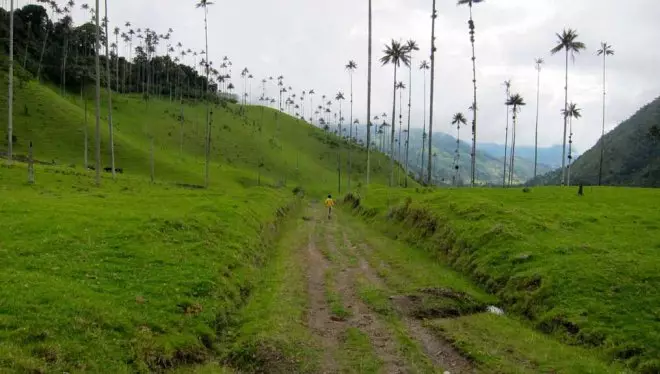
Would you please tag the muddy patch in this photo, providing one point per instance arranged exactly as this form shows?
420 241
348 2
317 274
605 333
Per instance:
437 303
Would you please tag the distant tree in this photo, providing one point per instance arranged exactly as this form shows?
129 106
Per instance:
458 121
369 54
569 43
350 67
507 88
424 66
655 132
394 54
434 16
97 49
539 63
474 82
205 5
605 50
109 91
572 112
412 46
515 101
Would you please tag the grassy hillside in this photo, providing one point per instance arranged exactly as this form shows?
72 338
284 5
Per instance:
289 150
631 158
574 266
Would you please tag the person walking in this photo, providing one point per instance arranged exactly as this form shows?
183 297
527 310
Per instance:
329 203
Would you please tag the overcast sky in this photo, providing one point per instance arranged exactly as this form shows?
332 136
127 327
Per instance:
310 42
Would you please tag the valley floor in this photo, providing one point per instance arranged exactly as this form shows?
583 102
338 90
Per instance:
341 298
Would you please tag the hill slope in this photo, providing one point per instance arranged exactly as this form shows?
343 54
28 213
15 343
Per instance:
631 157
263 141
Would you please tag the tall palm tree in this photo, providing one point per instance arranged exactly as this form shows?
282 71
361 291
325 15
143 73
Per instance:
434 16
339 97
412 46
569 43
351 66
458 120
97 63
507 87
369 95
605 50
10 94
205 4
515 101
474 83
107 67
395 54
401 87
572 112
424 66
539 62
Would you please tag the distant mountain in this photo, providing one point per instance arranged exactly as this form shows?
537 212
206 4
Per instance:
631 157
489 166
550 156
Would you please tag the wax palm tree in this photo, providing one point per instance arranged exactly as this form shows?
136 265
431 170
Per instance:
458 120
205 4
434 16
605 50
515 101
369 54
539 63
507 88
474 83
109 90
10 94
424 66
97 63
569 43
412 46
350 67
395 54
572 112
401 87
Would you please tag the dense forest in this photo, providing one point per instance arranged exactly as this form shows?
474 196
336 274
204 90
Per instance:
631 154
62 53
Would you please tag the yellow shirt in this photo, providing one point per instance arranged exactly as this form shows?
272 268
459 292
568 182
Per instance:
329 203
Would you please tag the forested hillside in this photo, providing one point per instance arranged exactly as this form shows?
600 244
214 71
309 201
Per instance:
631 154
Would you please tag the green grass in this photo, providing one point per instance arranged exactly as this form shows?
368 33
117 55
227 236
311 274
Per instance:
503 345
585 269
271 330
356 353
129 277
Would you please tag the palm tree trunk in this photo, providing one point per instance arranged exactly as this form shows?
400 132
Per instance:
369 99
563 151
506 141
64 58
86 160
97 64
430 164
109 83
208 107
393 130
10 94
474 104
570 152
513 146
408 133
602 136
421 173
43 51
398 153
27 43
350 136
117 87
536 131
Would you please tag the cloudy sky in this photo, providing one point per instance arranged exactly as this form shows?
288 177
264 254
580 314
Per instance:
310 42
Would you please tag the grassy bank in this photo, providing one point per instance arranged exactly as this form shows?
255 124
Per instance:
582 268
131 277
